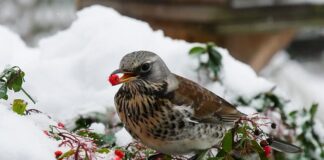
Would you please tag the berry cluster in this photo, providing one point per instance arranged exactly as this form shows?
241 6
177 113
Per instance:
80 147
247 131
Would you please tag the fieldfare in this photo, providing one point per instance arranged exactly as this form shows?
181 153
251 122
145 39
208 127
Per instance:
169 113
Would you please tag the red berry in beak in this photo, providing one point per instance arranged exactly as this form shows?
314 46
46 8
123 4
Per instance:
113 79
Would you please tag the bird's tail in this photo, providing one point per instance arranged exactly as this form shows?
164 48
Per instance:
282 146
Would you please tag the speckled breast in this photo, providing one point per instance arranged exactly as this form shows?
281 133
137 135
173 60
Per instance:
150 117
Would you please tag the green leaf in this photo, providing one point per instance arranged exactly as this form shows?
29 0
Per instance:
83 123
293 114
227 142
18 81
19 106
215 56
216 158
258 148
313 110
3 91
109 139
166 157
197 51
103 150
221 154
67 154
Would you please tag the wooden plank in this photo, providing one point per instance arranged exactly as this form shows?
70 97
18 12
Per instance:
252 35
257 49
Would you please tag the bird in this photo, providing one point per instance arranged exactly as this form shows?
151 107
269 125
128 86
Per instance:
169 113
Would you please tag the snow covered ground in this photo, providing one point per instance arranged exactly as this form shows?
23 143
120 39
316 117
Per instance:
67 74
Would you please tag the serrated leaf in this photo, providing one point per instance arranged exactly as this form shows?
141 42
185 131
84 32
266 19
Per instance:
19 106
259 150
197 51
227 142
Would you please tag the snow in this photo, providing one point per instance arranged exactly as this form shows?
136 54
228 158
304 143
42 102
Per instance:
67 75
98 128
302 87
21 137
240 79
123 138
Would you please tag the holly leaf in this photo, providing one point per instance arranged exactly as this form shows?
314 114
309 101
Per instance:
19 106
227 141
197 51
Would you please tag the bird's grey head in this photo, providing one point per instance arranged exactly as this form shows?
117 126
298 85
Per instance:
143 65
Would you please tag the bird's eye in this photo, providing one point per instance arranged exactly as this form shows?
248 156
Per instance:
145 67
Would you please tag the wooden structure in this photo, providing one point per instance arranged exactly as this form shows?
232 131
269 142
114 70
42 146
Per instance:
252 34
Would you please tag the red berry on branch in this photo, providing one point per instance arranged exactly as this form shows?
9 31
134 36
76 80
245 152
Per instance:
58 153
46 133
60 125
119 153
113 79
267 151
117 158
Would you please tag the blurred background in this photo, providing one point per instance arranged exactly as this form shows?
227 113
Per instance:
282 40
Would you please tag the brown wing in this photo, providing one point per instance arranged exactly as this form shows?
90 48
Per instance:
206 104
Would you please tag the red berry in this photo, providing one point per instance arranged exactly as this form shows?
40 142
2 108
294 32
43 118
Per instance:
60 125
58 153
113 79
267 151
117 158
119 153
46 133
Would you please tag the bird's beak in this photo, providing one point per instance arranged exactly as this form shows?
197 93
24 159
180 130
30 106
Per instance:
114 79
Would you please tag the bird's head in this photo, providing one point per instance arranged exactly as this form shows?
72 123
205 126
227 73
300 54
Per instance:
138 65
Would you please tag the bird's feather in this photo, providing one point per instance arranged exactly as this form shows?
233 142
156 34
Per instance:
207 105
